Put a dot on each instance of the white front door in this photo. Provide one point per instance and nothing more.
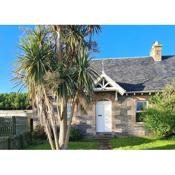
(103, 116)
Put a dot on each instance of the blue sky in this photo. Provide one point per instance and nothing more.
(113, 41)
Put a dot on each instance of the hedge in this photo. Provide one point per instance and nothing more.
(14, 101)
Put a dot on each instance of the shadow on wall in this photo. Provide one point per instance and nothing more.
(83, 127)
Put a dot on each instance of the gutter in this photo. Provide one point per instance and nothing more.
(143, 92)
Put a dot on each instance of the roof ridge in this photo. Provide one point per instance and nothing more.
(125, 58)
(120, 58)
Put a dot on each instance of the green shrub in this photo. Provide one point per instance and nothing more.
(14, 101)
(75, 134)
(160, 115)
(161, 123)
(39, 133)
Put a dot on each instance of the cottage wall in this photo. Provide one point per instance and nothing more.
(123, 115)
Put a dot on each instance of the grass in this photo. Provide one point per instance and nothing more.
(79, 145)
(123, 143)
(142, 143)
(41, 146)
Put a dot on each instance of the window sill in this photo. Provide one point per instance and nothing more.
(139, 124)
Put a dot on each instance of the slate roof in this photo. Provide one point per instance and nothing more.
(138, 74)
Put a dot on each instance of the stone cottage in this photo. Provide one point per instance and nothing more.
(122, 90)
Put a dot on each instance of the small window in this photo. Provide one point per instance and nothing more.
(140, 106)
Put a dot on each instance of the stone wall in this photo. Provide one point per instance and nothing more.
(85, 120)
(22, 119)
(123, 115)
(10, 113)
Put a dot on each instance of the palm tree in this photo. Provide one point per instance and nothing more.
(70, 40)
(32, 66)
(55, 63)
(83, 77)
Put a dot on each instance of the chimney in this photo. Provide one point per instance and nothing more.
(156, 51)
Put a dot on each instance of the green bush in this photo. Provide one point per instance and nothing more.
(161, 123)
(160, 115)
(39, 133)
(75, 134)
(14, 101)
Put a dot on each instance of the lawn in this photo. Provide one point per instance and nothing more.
(122, 143)
(142, 143)
(79, 145)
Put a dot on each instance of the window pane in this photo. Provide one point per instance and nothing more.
(139, 117)
(141, 105)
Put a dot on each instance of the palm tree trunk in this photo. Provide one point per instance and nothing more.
(63, 126)
(47, 127)
(43, 118)
(51, 117)
(55, 135)
(62, 134)
(57, 29)
(48, 133)
(69, 127)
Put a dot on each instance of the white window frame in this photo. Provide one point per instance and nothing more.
(141, 110)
